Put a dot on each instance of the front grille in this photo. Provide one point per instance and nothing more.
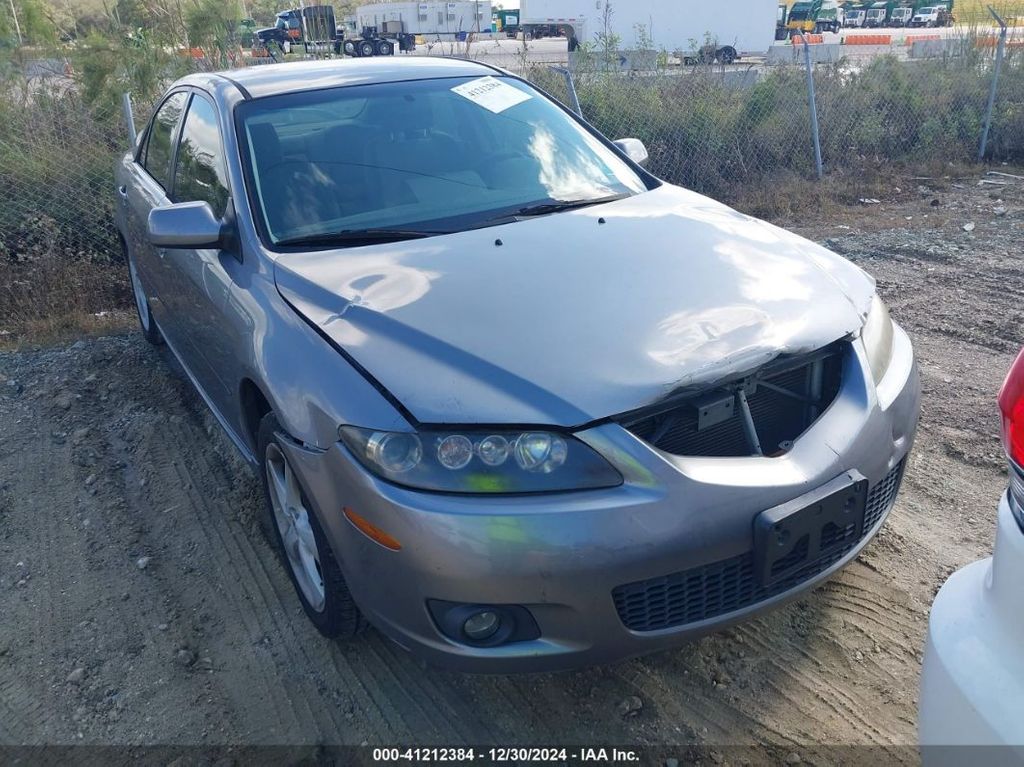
(784, 401)
(722, 587)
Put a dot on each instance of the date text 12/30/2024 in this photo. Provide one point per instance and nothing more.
(500, 755)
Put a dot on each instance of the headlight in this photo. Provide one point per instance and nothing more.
(877, 335)
(481, 461)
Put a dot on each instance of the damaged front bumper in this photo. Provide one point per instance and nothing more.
(567, 558)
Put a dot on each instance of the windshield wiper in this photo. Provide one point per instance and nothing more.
(546, 208)
(350, 236)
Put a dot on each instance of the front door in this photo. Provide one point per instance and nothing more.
(203, 277)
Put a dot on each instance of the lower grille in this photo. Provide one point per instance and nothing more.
(723, 587)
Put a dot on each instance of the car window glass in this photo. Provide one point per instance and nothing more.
(161, 134)
(418, 156)
(199, 171)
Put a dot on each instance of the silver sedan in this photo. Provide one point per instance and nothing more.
(515, 402)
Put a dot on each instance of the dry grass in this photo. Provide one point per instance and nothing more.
(50, 301)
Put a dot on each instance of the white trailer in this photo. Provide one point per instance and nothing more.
(689, 28)
(438, 19)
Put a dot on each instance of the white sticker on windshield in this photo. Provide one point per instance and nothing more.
(491, 93)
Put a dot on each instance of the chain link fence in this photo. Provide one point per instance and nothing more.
(718, 130)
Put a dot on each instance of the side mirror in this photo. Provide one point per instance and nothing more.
(185, 225)
(634, 149)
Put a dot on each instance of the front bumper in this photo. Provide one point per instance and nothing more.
(972, 681)
(562, 555)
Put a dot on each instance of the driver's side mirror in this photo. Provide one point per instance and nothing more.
(634, 149)
(185, 225)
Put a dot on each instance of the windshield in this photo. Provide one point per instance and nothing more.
(433, 156)
(926, 11)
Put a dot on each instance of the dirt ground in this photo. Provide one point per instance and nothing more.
(140, 602)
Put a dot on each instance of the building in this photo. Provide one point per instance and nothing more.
(432, 20)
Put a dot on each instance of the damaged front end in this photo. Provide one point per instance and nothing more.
(761, 413)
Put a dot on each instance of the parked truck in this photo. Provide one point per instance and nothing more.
(781, 18)
(879, 13)
(505, 22)
(854, 15)
(830, 18)
(803, 16)
(940, 15)
(703, 32)
(312, 25)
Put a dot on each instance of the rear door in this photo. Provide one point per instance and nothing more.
(146, 188)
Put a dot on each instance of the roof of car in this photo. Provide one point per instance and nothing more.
(273, 79)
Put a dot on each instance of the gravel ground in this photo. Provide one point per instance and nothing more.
(141, 603)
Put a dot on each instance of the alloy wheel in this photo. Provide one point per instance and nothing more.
(292, 518)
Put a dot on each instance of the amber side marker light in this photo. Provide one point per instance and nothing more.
(371, 531)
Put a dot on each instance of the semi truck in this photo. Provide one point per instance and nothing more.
(312, 25)
(690, 29)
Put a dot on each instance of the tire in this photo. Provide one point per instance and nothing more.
(385, 48)
(330, 608)
(365, 48)
(727, 55)
(350, 48)
(147, 324)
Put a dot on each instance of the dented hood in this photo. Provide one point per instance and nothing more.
(580, 315)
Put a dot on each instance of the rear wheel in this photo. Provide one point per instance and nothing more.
(727, 55)
(301, 542)
(149, 329)
(385, 48)
(366, 48)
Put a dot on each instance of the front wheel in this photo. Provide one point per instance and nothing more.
(301, 542)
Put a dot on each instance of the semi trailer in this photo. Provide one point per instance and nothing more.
(690, 29)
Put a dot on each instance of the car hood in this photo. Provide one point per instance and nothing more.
(577, 316)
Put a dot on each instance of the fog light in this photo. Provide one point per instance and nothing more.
(482, 625)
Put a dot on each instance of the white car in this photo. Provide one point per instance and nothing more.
(972, 683)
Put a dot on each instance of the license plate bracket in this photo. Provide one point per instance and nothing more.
(793, 534)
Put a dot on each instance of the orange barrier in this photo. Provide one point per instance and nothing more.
(992, 42)
(867, 40)
(811, 39)
(911, 39)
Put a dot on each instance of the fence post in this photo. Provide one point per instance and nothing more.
(129, 118)
(814, 108)
(570, 86)
(1000, 51)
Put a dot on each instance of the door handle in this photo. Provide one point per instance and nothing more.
(123, 191)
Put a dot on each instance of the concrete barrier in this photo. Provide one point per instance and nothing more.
(823, 53)
(928, 49)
